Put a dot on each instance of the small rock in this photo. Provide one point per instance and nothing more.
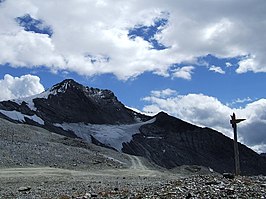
(228, 175)
(212, 183)
(230, 191)
(221, 187)
(97, 162)
(116, 189)
(86, 196)
(211, 170)
(189, 195)
(94, 195)
(24, 189)
(64, 197)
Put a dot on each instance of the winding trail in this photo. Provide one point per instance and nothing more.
(136, 163)
(136, 168)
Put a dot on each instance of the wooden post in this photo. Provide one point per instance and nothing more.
(236, 151)
(234, 122)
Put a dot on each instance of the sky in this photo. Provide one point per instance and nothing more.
(198, 60)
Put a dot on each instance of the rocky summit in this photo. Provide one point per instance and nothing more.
(97, 116)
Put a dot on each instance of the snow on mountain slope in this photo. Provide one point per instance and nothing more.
(15, 115)
(110, 135)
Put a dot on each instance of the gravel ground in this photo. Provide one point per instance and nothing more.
(65, 184)
(29, 146)
(107, 186)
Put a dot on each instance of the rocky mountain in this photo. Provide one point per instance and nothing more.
(171, 142)
(69, 102)
(97, 116)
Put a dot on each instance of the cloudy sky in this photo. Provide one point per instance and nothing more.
(199, 60)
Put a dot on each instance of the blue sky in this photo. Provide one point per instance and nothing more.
(180, 57)
(226, 87)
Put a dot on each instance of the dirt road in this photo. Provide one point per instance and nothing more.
(47, 182)
(136, 163)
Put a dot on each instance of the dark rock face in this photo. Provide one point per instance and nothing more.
(76, 103)
(171, 142)
(10, 106)
(263, 154)
(71, 102)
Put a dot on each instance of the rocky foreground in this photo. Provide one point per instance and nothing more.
(198, 186)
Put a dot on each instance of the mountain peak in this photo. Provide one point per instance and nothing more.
(161, 114)
(66, 84)
(71, 102)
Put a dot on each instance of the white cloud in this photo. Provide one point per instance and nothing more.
(250, 63)
(217, 69)
(239, 101)
(228, 64)
(100, 29)
(27, 49)
(184, 72)
(17, 87)
(163, 93)
(208, 111)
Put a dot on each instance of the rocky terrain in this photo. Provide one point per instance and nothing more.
(24, 145)
(36, 163)
(66, 185)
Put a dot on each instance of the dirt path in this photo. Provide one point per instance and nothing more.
(137, 168)
(34, 172)
(136, 163)
(47, 182)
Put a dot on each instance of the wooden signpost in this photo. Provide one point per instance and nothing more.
(234, 123)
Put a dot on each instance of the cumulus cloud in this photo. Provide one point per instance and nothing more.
(88, 42)
(250, 63)
(217, 69)
(18, 87)
(27, 49)
(208, 111)
(183, 72)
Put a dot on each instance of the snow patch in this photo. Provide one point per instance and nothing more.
(62, 89)
(15, 115)
(36, 119)
(110, 135)
(29, 100)
(152, 137)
